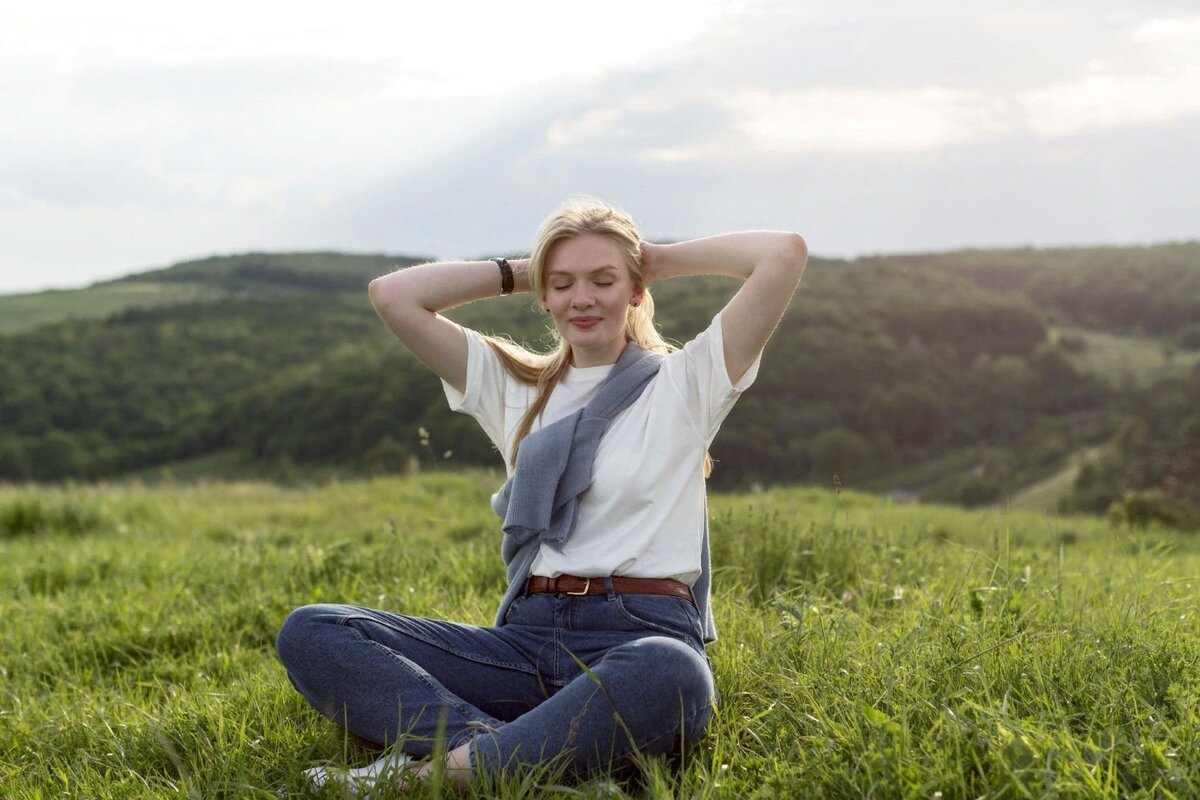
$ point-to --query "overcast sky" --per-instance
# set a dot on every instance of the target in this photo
(135, 135)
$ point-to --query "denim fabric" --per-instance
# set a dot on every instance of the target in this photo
(590, 680)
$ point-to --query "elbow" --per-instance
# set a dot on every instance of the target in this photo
(393, 299)
(376, 291)
(797, 249)
(793, 252)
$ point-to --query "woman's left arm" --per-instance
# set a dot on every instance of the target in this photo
(771, 263)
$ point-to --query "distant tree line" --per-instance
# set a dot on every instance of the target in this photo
(1153, 291)
(883, 365)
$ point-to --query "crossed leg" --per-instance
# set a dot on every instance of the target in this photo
(390, 678)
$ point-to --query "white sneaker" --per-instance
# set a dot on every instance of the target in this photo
(359, 782)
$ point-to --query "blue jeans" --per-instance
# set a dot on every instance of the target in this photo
(589, 680)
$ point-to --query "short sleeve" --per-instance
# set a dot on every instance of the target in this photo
(699, 371)
(487, 384)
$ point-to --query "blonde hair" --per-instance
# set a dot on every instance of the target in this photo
(544, 370)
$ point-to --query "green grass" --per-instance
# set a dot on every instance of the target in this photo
(866, 649)
(1127, 360)
(20, 312)
(232, 465)
(1047, 494)
(928, 476)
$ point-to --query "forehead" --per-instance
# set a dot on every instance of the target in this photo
(584, 253)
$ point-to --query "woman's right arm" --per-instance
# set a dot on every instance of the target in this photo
(408, 301)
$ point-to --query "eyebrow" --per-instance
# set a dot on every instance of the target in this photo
(605, 268)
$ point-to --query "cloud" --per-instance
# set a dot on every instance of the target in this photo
(688, 112)
(472, 46)
(856, 119)
(1108, 96)
(873, 126)
(1008, 191)
(714, 125)
(1100, 101)
(246, 105)
(1173, 34)
(652, 124)
(879, 159)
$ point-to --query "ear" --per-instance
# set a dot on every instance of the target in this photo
(636, 299)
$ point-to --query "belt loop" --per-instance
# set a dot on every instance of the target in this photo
(608, 585)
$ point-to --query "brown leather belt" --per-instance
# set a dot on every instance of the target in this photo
(572, 584)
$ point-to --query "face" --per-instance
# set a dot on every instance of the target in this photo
(588, 292)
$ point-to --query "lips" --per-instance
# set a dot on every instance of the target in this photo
(585, 322)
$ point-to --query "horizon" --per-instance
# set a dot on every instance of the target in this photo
(812, 257)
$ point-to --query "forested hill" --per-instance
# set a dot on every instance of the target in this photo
(963, 376)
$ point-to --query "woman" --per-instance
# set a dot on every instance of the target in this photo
(597, 652)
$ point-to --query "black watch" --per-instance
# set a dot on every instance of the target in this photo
(506, 275)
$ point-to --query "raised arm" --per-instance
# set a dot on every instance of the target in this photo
(771, 263)
(409, 300)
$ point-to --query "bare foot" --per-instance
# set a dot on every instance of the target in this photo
(457, 767)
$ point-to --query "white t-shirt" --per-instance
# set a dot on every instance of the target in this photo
(643, 515)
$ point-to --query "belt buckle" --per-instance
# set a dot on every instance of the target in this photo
(587, 585)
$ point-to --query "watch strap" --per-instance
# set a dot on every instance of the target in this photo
(506, 275)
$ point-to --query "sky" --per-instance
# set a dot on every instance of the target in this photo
(134, 135)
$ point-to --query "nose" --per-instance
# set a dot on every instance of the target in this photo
(582, 296)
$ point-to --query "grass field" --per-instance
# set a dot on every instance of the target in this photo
(1047, 494)
(1127, 360)
(867, 649)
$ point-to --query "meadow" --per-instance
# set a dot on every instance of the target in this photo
(867, 649)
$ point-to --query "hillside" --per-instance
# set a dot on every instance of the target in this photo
(258, 275)
(960, 376)
(22, 312)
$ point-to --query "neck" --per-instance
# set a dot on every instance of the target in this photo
(597, 358)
